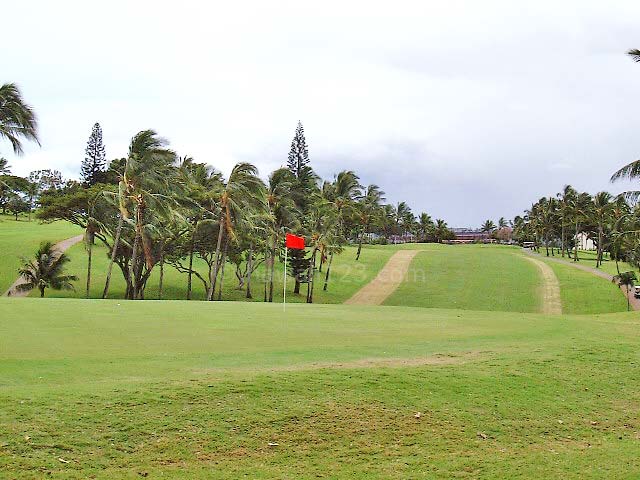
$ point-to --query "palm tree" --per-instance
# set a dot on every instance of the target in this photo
(368, 207)
(46, 271)
(426, 225)
(243, 193)
(565, 198)
(601, 214)
(441, 230)
(17, 119)
(625, 279)
(502, 223)
(634, 53)
(283, 216)
(144, 181)
(488, 227)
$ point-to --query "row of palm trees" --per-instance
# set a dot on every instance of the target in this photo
(167, 209)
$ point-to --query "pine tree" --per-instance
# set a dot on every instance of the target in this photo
(305, 178)
(298, 159)
(93, 165)
(299, 267)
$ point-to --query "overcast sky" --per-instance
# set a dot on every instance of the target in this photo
(465, 109)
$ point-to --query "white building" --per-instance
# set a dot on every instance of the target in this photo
(584, 242)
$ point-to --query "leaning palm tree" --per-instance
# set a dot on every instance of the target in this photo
(634, 53)
(17, 120)
(627, 280)
(145, 178)
(46, 271)
(243, 194)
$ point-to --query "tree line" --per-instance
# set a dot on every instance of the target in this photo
(153, 208)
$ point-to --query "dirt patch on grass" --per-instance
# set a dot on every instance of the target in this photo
(388, 279)
(377, 362)
(551, 303)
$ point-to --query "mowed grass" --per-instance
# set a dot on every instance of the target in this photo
(21, 239)
(97, 389)
(470, 277)
(588, 259)
(584, 293)
(347, 277)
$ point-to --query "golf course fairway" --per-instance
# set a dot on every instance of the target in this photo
(115, 389)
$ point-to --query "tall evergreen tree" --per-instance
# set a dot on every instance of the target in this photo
(298, 158)
(94, 163)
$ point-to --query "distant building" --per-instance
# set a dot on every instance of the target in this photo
(470, 235)
(584, 242)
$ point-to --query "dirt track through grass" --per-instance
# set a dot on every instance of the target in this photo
(551, 303)
(386, 282)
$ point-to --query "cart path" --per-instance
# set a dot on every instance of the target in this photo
(634, 302)
(387, 280)
(61, 247)
(551, 303)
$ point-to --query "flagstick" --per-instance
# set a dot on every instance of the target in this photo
(284, 284)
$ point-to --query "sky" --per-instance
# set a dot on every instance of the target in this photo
(466, 110)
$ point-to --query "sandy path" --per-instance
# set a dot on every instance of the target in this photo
(551, 303)
(634, 302)
(62, 246)
(387, 280)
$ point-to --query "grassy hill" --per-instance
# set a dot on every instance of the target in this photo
(104, 389)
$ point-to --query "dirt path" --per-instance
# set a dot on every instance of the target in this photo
(62, 246)
(387, 280)
(551, 303)
(634, 302)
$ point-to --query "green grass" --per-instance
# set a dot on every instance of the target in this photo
(198, 390)
(584, 293)
(347, 277)
(22, 238)
(588, 259)
(470, 277)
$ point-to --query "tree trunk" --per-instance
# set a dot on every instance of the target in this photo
(311, 277)
(326, 277)
(41, 292)
(273, 267)
(116, 244)
(191, 249)
(599, 254)
(359, 245)
(575, 256)
(628, 300)
(562, 238)
(134, 256)
(89, 254)
(214, 274)
(224, 261)
(160, 283)
(249, 271)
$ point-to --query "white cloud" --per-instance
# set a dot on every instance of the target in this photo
(466, 109)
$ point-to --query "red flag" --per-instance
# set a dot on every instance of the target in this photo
(294, 242)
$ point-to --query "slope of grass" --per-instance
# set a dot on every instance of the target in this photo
(470, 277)
(22, 238)
(584, 293)
(102, 389)
(347, 276)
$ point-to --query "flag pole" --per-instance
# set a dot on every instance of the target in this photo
(284, 283)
